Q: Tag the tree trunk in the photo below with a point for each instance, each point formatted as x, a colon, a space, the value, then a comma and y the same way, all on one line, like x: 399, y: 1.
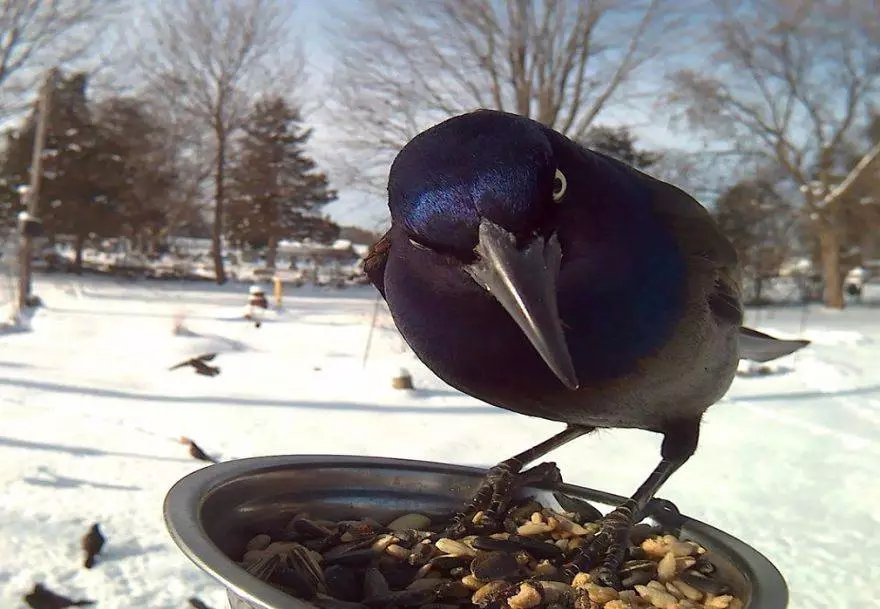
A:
x: 829, y: 242
x: 79, y: 244
x: 272, y: 248
x: 219, y: 188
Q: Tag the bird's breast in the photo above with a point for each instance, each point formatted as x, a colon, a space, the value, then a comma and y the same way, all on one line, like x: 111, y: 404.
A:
x: 630, y: 336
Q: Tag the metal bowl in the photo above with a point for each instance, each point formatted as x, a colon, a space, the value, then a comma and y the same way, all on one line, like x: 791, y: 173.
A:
x: 213, y: 512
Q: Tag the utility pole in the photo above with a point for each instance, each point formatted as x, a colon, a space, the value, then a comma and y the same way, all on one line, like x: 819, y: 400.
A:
x: 29, y: 223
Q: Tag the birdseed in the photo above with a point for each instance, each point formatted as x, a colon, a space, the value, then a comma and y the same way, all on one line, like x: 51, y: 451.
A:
x: 361, y: 564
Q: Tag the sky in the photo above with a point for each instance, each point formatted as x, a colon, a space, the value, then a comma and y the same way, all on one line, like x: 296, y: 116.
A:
x: 313, y: 23
x: 317, y: 18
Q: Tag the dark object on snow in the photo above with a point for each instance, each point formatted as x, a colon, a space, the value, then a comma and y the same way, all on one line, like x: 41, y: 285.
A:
x: 199, y: 365
x: 196, y: 452
x: 91, y: 543
x: 403, y: 380
x: 43, y: 598
x: 571, y: 286
x: 197, y: 603
x: 257, y: 298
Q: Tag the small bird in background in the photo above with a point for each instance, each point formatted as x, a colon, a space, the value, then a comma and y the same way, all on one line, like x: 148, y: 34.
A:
x: 196, y: 452
x: 197, y: 603
x: 200, y: 365
x: 43, y: 598
x: 554, y: 281
x: 91, y: 544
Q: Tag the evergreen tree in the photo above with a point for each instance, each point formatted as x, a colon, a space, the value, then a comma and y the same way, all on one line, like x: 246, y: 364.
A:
x: 146, y: 194
x: 760, y: 224
x: 620, y: 143
x: 82, y: 170
x: 275, y: 188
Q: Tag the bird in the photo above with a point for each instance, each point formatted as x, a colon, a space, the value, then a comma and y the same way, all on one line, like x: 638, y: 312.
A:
x: 196, y: 603
x: 195, y: 451
x: 200, y: 365
x: 552, y: 280
x: 43, y: 598
x: 91, y: 544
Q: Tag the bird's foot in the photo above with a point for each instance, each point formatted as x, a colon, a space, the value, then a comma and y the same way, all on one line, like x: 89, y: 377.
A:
x: 604, y: 555
x: 485, y: 511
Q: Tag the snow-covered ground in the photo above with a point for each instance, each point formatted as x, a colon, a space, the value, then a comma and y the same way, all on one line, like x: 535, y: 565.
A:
x: 90, y: 417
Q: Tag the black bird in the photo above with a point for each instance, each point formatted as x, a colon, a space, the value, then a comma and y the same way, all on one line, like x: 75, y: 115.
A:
x: 200, y: 365
x: 91, y: 543
x: 557, y: 282
x: 196, y: 452
x: 43, y: 598
x: 196, y: 603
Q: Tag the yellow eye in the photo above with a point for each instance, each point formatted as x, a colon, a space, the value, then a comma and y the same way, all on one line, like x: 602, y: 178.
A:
x: 560, y: 184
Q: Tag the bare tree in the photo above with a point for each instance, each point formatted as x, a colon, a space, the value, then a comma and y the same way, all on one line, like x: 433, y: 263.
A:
x: 404, y: 64
x: 791, y: 84
x: 207, y: 58
x: 38, y: 34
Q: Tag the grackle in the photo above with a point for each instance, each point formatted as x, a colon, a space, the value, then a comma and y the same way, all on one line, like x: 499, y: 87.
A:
x: 91, y: 544
x: 554, y: 281
x: 200, y: 365
x: 43, y: 598
x: 196, y: 452
x: 196, y: 603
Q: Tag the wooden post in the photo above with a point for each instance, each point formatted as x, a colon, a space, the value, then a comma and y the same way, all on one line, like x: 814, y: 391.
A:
x: 33, y: 192
x: 279, y: 291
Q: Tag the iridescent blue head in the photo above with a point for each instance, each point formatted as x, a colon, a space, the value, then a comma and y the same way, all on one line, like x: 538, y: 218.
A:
x: 485, y: 165
x: 483, y: 188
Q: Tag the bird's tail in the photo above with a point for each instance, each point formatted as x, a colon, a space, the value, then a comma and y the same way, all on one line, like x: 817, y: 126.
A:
x: 82, y: 603
x: 89, y: 561
x: 759, y: 347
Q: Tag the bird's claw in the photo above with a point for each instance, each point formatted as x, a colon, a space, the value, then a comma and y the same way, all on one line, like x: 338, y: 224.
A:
x: 604, y: 555
x: 486, y: 510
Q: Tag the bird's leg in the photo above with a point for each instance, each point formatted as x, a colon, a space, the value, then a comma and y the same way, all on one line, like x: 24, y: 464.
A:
x: 495, y: 491
x: 606, y: 550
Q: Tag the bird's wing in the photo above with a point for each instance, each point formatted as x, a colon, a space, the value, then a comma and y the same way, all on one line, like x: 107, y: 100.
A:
x: 207, y: 357
x: 375, y: 260
x: 759, y: 347
x: 181, y: 365
x: 697, y: 232
x: 700, y: 239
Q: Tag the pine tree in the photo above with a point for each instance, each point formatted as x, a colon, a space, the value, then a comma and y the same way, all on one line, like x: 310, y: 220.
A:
x: 276, y: 190
x: 760, y: 224
x: 620, y: 143
x: 146, y: 195
x: 82, y: 170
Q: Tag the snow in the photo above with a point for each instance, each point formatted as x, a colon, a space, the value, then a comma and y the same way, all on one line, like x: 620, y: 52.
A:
x: 90, y: 418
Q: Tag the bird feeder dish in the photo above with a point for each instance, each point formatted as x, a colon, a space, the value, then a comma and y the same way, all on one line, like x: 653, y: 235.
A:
x: 213, y: 512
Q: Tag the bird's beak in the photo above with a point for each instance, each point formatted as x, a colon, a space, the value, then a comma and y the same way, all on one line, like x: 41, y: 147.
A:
x: 524, y: 282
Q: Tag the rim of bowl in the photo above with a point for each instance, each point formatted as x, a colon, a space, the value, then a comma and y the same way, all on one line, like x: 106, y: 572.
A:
x: 184, y: 501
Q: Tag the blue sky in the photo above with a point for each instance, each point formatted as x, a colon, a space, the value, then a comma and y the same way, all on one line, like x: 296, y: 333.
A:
x: 316, y: 18
x: 313, y: 21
